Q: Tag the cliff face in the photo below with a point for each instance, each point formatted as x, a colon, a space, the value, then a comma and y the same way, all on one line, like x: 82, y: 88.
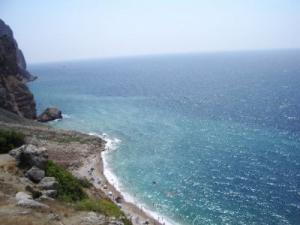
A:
x: 14, y: 93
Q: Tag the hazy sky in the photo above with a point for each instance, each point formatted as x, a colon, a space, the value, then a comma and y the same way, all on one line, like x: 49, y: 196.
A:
x: 56, y: 30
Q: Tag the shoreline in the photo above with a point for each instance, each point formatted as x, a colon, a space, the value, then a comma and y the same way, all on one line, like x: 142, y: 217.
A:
x: 84, y: 155
x: 96, y: 169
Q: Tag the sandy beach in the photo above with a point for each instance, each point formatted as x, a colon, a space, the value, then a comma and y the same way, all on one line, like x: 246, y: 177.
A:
x: 93, y: 168
x: 82, y: 154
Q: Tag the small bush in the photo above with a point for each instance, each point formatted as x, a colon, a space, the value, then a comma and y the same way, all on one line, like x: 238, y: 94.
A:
x: 85, y: 183
x: 10, y: 139
x: 70, y: 189
x: 103, y: 206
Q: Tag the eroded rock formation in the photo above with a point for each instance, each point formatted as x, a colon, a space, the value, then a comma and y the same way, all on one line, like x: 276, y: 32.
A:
x: 14, y: 93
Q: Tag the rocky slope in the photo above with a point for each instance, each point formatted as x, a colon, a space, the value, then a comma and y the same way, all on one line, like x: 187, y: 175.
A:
x: 70, y: 149
x: 14, y: 94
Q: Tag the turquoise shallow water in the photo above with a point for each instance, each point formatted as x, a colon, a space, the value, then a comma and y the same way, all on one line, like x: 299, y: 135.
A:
x: 205, y: 139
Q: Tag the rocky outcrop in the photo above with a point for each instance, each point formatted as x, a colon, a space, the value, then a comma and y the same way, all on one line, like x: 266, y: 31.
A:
x: 50, y: 114
x: 28, y: 156
x: 37, y: 157
x: 35, y: 174
x: 25, y: 200
x: 14, y: 93
x: 48, y: 183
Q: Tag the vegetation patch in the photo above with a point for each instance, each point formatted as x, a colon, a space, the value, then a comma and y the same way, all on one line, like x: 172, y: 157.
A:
x: 70, y: 188
x: 85, y: 183
x: 103, y: 206
x: 10, y: 139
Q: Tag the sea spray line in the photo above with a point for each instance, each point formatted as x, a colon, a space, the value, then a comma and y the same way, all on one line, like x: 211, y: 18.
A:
x: 66, y: 116
x: 110, y: 146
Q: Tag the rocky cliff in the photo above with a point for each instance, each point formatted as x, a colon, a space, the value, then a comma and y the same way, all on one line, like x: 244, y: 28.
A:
x: 14, y: 93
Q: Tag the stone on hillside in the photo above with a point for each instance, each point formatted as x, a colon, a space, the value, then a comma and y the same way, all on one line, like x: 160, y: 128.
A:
x: 34, y: 191
x: 28, y: 156
x: 50, y: 114
x: 16, y: 152
x: 48, y: 183
x: 29, y: 203
x: 25, y: 200
x: 35, y: 174
x: 50, y: 193
x: 93, y: 218
x: 22, y: 195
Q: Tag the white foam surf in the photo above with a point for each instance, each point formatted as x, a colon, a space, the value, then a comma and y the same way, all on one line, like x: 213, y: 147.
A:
x: 112, y: 145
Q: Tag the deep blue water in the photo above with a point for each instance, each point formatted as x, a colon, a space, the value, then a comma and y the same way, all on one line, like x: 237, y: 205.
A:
x: 205, y: 138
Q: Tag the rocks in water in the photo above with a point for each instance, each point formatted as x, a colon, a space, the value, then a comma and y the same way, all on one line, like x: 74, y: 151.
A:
x: 50, y: 114
x: 25, y: 200
x: 48, y: 183
x: 28, y: 156
x: 35, y: 174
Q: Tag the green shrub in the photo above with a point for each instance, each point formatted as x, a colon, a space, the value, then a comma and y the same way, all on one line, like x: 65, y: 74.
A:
x: 70, y: 188
x: 85, y: 183
x: 10, y: 139
x: 103, y: 206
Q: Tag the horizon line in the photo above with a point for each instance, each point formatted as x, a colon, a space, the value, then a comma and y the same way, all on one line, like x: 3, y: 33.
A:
x: 163, y: 54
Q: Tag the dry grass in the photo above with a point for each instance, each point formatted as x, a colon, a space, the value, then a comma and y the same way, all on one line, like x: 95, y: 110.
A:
x: 15, y: 220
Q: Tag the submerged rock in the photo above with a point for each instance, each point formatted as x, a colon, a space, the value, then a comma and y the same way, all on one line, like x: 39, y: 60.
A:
x: 35, y: 174
x: 50, y: 114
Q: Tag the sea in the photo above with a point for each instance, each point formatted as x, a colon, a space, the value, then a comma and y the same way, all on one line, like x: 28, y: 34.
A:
x: 207, y: 138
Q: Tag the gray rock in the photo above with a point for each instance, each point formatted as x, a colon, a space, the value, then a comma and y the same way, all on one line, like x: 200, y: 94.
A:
x: 22, y: 195
x: 50, y: 193
x: 16, y: 152
x: 26, y: 181
x: 93, y: 218
x: 34, y: 191
x: 48, y: 183
x: 29, y: 155
x: 50, y: 114
x: 29, y: 203
x: 35, y: 174
x: 115, y: 222
x: 54, y: 216
x: 25, y: 200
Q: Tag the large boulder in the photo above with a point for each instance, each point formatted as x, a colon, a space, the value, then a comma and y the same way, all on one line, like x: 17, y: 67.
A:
x: 48, y: 183
x: 50, y: 114
x: 29, y: 155
x: 25, y: 200
x: 35, y: 174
